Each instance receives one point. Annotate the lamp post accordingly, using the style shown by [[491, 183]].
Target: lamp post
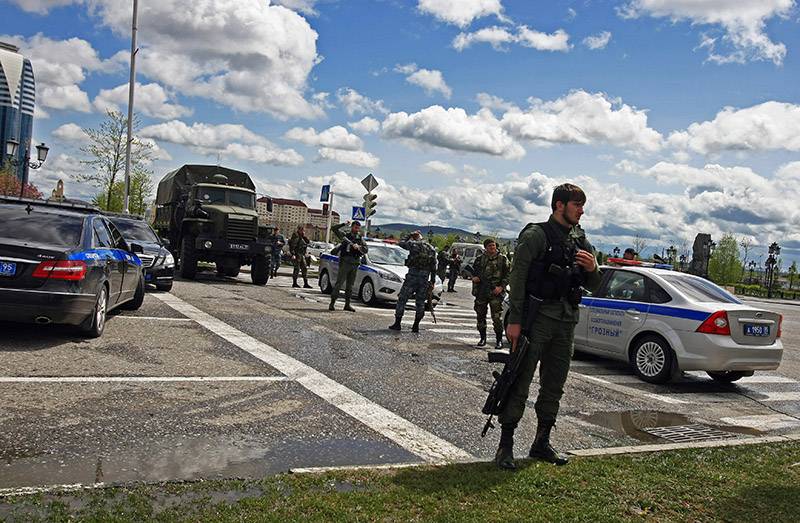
[[671, 254], [616, 252], [682, 262], [710, 246], [752, 266], [12, 147], [771, 263]]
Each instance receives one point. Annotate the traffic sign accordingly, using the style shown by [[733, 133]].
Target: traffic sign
[[358, 213], [369, 183], [326, 191]]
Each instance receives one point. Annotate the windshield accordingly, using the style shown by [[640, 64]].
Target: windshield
[[216, 195], [135, 230], [40, 227], [385, 255], [242, 199], [701, 290], [211, 195]]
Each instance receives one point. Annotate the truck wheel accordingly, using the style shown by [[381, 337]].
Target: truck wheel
[[231, 272], [188, 258], [259, 270]]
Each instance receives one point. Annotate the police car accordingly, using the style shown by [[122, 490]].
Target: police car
[[380, 275], [64, 263]]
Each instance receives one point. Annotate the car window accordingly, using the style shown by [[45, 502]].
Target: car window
[[40, 226], [469, 253], [624, 285], [116, 236], [657, 293], [384, 255], [102, 238], [701, 290], [134, 230]]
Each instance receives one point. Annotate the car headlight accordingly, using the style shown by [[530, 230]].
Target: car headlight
[[386, 275], [168, 261]]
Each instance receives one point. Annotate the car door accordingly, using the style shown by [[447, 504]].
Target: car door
[[617, 312], [115, 268], [582, 328], [130, 269]]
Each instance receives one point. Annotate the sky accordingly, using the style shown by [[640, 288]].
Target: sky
[[676, 116]]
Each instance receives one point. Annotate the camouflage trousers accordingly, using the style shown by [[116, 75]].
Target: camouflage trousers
[[300, 267], [416, 281], [495, 303], [345, 277], [551, 347]]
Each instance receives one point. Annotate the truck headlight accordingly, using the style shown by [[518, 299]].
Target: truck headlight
[[208, 244]]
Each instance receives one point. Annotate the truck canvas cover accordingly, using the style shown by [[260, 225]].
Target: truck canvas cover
[[178, 182]]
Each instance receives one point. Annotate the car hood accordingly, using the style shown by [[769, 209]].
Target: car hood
[[399, 270]]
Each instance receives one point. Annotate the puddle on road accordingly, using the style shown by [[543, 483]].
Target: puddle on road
[[632, 423], [194, 458]]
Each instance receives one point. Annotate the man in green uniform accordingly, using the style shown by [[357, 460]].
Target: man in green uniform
[[352, 248], [421, 277], [553, 261], [298, 245], [489, 288]]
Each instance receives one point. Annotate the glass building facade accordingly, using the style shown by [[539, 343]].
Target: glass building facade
[[17, 97]]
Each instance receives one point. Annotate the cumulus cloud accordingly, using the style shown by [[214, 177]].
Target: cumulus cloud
[[366, 125], [336, 137], [431, 80], [582, 118], [460, 12], [498, 37], [226, 139], [439, 167], [495, 36], [304, 6], [767, 126], [354, 102], [598, 41], [150, 100], [454, 129], [69, 132], [557, 41], [42, 7], [742, 23], [359, 158]]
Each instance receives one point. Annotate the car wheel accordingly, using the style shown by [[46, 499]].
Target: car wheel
[[728, 376], [138, 297], [95, 324], [164, 287], [652, 359], [325, 283], [368, 292]]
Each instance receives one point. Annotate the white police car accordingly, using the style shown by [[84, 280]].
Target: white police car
[[380, 275]]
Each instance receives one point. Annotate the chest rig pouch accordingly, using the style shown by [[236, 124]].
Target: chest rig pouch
[[556, 276]]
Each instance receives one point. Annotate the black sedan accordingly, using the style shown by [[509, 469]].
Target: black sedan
[[64, 263], [157, 261]]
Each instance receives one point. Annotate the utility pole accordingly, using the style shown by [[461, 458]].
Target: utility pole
[[330, 216], [131, 84]]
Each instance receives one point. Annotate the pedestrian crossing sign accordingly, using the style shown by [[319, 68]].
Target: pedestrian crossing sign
[[358, 213]]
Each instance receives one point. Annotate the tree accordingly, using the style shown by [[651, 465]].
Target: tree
[[725, 267], [640, 244], [106, 158], [10, 184], [746, 243], [141, 190]]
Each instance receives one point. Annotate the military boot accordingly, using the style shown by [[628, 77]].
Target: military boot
[[306, 285], [415, 327], [499, 343], [396, 325], [541, 447], [347, 306], [504, 457], [294, 282], [482, 342]]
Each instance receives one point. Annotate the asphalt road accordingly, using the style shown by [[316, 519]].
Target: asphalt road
[[221, 378]]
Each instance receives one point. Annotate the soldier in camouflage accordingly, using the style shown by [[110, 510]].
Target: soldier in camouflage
[[298, 245], [489, 289], [421, 277], [352, 248], [441, 264]]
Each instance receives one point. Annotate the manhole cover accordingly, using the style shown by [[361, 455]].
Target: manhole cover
[[688, 433]]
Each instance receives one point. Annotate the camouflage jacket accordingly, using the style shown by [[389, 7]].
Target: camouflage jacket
[[421, 256], [345, 248], [298, 245], [494, 272]]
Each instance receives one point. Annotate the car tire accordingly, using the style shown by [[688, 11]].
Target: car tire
[[138, 298], [367, 292], [652, 359], [325, 282], [188, 259], [728, 376], [164, 287], [259, 270], [95, 324]]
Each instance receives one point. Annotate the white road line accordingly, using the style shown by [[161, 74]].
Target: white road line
[[127, 379], [123, 317], [629, 390], [763, 378], [454, 331], [416, 440]]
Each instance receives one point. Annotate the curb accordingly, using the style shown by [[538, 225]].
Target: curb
[[640, 449]]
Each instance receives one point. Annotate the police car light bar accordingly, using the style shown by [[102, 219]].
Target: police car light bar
[[637, 263]]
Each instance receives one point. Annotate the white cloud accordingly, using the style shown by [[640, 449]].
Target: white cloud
[[767, 126], [366, 125], [336, 137], [490, 101], [583, 118], [453, 129], [598, 41], [356, 103], [430, 80], [743, 23], [42, 7], [69, 132], [359, 158], [557, 41], [460, 12], [65, 98], [497, 37], [226, 139], [439, 167], [244, 54], [150, 100], [304, 6], [62, 167]]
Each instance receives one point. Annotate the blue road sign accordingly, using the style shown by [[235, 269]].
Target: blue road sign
[[358, 213], [326, 191]]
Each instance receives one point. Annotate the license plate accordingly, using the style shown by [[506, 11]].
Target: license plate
[[8, 268], [756, 330], [239, 246]]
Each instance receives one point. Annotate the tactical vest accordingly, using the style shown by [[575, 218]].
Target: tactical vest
[[422, 256], [344, 251], [556, 275]]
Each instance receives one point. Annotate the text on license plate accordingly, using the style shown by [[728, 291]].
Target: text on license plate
[[756, 330], [8, 268], [239, 246]]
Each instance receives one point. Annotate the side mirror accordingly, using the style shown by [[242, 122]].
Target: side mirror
[[135, 248], [166, 243]]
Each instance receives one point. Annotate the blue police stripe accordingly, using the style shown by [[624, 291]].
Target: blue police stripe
[[93, 255], [660, 310], [332, 258]]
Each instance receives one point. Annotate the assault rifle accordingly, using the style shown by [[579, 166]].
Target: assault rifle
[[498, 393], [429, 305]]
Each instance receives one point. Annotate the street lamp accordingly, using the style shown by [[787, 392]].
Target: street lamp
[[12, 147], [671, 253], [752, 266], [682, 261], [771, 263], [616, 252]]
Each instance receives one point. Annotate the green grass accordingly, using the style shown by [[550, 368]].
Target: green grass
[[751, 483]]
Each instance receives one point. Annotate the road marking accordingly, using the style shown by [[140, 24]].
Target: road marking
[[611, 451], [416, 440], [764, 422], [122, 379], [454, 331], [748, 379], [121, 316], [776, 396], [630, 390]]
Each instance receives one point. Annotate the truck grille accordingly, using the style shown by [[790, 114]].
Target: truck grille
[[241, 230]]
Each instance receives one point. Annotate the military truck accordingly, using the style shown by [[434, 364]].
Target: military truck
[[208, 213]]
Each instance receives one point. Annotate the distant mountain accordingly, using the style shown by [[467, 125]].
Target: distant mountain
[[401, 228]]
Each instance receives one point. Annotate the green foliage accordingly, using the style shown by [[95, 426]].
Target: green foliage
[[10, 184], [725, 266], [141, 190]]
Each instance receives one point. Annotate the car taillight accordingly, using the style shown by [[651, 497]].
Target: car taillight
[[780, 324], [61, 270], [717, 323]]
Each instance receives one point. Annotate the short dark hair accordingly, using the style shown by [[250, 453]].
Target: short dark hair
[[355, 222], [567, 192], [487, 241]]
